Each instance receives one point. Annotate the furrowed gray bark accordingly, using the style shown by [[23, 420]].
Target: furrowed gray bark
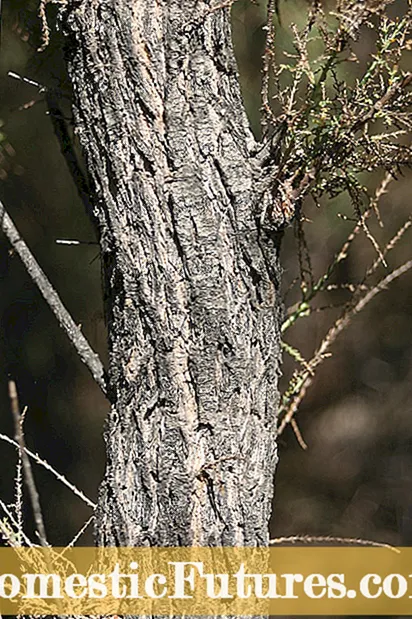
[[191, 282]]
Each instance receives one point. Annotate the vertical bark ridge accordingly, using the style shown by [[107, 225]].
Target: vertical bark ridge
[[191, 285]]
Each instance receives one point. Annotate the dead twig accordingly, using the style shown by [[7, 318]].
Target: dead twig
[[306, 378], [329, 539], [28, 473], [77, 536], [82, 346], [298, 434], [48, 467], [12, 535], [268, 59]]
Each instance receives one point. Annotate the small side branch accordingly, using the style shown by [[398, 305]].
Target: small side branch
[[304, 380], [328, 540], [68, 152], [268, 59], [48, 467], [28, 473], [80, 343]]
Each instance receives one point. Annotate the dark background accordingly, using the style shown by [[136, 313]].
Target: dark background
[[355, 478]]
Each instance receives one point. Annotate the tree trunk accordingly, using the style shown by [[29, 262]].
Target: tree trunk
[[191, 281]]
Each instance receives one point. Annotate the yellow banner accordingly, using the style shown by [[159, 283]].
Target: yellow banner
[[206, 581]]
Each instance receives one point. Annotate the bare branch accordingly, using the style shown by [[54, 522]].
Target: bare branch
[[78, 535], [268, 59], [18, 485], [88, 356], [48, 467], [28, 473], [373, 206], [13, 538], [298, 434], [329, 539], [399, 234], [305, 379], [302, 308]]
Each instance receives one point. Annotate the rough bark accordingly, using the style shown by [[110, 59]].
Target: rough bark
[[191, 281]]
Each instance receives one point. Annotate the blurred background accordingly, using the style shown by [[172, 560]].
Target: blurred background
[[355, 477]]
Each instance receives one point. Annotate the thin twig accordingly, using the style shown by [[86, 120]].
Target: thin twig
[[80, 343], [28, 473], [77, 536], [306, 379], [379, 105], [68, 151], [372, 239], [48, 467], [296, 354], [314, 539], [52, 97], [302, 308], [268, 59], [394, 240], [18, 484], [227, 4], [16, 526], [373, 205], [298, 434]]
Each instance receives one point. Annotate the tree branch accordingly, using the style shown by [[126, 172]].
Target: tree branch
[[306, 379], [88, 356], [28, 473], [48, 467]]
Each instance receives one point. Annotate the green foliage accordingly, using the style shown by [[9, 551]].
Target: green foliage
[[338, 125], [335, 130]]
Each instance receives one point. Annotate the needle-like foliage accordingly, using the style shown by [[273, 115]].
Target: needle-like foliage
[[333, 128]]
